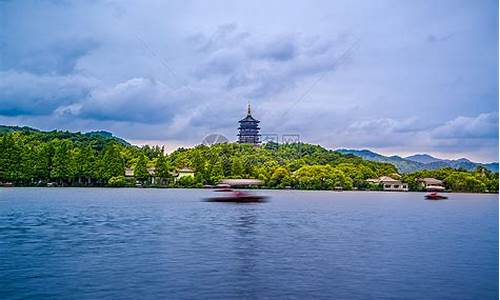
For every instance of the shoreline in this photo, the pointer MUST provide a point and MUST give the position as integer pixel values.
(249, 189)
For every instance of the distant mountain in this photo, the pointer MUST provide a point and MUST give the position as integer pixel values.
(491, 166)
(419, 161)
(423, 158)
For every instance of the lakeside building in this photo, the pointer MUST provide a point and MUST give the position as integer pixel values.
(249, 129)
(129, 172)
(152, 174)
(431, 184)
(183, 173)
(390, 184)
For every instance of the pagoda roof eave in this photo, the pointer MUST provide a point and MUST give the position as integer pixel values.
(248, 118)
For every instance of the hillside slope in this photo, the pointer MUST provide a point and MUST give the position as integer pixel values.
(97, 136)
(419, 162)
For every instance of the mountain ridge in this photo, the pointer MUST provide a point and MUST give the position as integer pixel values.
(420, 161)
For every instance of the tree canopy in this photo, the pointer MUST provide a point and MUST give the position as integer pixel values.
(31, 157)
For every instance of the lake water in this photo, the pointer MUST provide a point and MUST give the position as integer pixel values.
(70, 243)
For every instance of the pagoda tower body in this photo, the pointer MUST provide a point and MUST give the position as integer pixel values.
(249, 129)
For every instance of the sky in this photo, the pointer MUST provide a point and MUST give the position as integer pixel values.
(396, 77)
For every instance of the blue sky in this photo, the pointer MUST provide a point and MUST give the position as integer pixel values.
(397, 77)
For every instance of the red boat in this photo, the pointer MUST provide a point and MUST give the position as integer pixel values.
(225, 189)
(237, 197)
(435, 196)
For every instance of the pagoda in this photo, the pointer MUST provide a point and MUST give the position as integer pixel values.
(249, 129)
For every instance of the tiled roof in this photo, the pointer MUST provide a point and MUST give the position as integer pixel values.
(129, 172)
(249, 118)
(429, 180)
(387, 179)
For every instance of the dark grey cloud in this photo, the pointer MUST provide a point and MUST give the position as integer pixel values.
(415, 76)
(136, 100)
(432, 38)
(24, 93)
(224, 35)
(280, 49)
(264, 66)
(60, 57)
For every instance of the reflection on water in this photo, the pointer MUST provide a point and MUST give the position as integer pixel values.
(246, 249)
(167, 244)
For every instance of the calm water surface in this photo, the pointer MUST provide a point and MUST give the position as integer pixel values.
(73, 243)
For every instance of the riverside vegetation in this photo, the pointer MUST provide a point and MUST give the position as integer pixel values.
(29, 157)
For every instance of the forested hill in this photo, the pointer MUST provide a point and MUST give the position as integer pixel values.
(96, 137)
(32, 157)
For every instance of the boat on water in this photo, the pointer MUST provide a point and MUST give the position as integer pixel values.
(228, 194)
(238, 197)
(435, 196)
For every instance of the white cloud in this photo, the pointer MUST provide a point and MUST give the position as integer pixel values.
(484, 125)
(386, 125)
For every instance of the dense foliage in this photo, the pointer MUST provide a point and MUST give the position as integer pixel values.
(457, 180)
(31, 157)
(279, 166)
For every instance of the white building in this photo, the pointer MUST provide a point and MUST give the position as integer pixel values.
(183, 173)
(390, 184)
(431, 184)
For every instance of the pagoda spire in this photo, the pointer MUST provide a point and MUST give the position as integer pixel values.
(249, 129)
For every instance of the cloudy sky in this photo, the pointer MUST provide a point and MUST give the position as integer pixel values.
(398, 77)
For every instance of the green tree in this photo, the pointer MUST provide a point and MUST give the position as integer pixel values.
(60, 161)
(321, 177)
(236, 167)
(141, 170)
(217, 172)
(10, 158)
(280, 178)
(42, 163)
(87, 162)
(112, 162)
(186, 181)
(464, 182)
(163, 169)
(118, 181)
